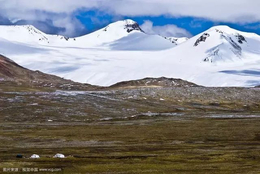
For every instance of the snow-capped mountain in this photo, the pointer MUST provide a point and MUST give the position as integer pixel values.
(121, 35)
(28, 34)
(124, 35)
(220, 44)
(220, 56)
(111, 33)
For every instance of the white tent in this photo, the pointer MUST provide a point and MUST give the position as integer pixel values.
(58, 155)
(34, 156)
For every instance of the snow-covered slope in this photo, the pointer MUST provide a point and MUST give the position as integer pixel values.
(220, 56)
(177, 41)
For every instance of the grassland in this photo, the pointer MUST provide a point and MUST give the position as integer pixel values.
(152, 130)
(184, 145)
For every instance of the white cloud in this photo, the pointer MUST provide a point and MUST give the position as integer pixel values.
(220, 10)
(166, 30)
(236, 11)
(55, 6)
(71, 25)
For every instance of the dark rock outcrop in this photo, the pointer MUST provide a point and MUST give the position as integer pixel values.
(202, 38)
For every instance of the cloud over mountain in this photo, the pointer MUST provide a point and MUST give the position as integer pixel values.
(222, 10)
(62, 13)
(166, 30)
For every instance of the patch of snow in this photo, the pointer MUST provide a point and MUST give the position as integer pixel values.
(106, 119)
(233, 116)
(152, 114)
(69, 93)
(34, 104)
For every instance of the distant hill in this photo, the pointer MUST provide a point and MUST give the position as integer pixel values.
(154, 82)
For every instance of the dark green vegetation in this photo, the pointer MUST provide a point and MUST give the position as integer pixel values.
(148, 130)
(183, 145)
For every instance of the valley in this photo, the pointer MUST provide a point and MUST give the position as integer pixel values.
(132, 130)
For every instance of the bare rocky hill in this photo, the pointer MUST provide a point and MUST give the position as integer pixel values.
(154, 82)
(11, 72)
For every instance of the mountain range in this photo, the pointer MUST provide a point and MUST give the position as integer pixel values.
(122, 51)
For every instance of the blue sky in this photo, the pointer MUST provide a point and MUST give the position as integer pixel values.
(169, 17)
(94, 20)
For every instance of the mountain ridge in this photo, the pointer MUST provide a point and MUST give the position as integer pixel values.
(103, 37)
(220, 56)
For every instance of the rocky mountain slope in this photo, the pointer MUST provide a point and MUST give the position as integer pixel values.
(18, 75)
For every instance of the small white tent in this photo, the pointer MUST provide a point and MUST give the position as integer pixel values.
(34, 156)
(58, 155)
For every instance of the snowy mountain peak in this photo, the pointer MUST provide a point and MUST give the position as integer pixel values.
(227, 31)
(224, 40)
(130, 21)
(21, 33)
(28, 34)
(127, 25)
(223, 28)
(223, 32)
(124, 35)
(220, 44)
